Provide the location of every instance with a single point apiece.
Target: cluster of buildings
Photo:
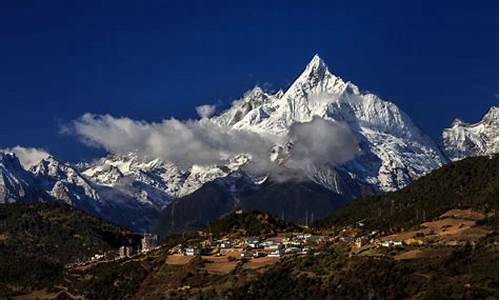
(370, 240)
(253, 247)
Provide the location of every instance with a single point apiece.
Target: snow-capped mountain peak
(315, 69)
(16, 184)
(463, 139)
(491, 117)
(386, 134)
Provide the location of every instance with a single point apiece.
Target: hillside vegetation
(469, 183)
(37, 240)
(253, 223)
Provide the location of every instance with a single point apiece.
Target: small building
(192, 251)
(357, 243)
(274, 247)
(226, 244)
(292, 250)
(246, 254)
(125, 251)
(148, 242)
(97, 257)
(253, 242)
(390, 244)
(258, 254)
(305, 251)
(277, 253)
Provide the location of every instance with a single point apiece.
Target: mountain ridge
(132, 190)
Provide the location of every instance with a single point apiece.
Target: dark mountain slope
(469, 183)
(37, 240)
(292, 201)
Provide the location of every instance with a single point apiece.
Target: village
(223, 254)
(254, 246)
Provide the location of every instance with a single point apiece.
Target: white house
(277, 253)
(246, 254)
(253, 242)
(226, 244)
(292, 250)
(193, 251)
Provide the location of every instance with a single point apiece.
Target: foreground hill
(38, 240)
(469, 183)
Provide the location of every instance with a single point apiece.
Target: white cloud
(202, 142)
(183, 143)
(205, 111)
(321, 141)
(28, 156)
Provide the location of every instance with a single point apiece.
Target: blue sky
(151, 60)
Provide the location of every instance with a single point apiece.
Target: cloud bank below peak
(184, 143)
(202, 142)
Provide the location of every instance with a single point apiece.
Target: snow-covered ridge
(164, 176)
(463, 139)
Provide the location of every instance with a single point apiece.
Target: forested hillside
(469, 183)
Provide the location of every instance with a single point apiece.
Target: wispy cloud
(27, 156)
(205, 111)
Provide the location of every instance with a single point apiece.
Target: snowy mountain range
(132, 190)
(463, 139)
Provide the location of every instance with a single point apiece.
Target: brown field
(412, 254)
(219, 264)
(466, 214)
(422, 253)
(257, 263)
(448, 226)
(231, 252)
(454, 225)
(178, 259)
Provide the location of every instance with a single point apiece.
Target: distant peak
(491, 117)
(316, 63)
(492, 113)
(315, 69)
(457, 122)
(256, 90)
(10, 160)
